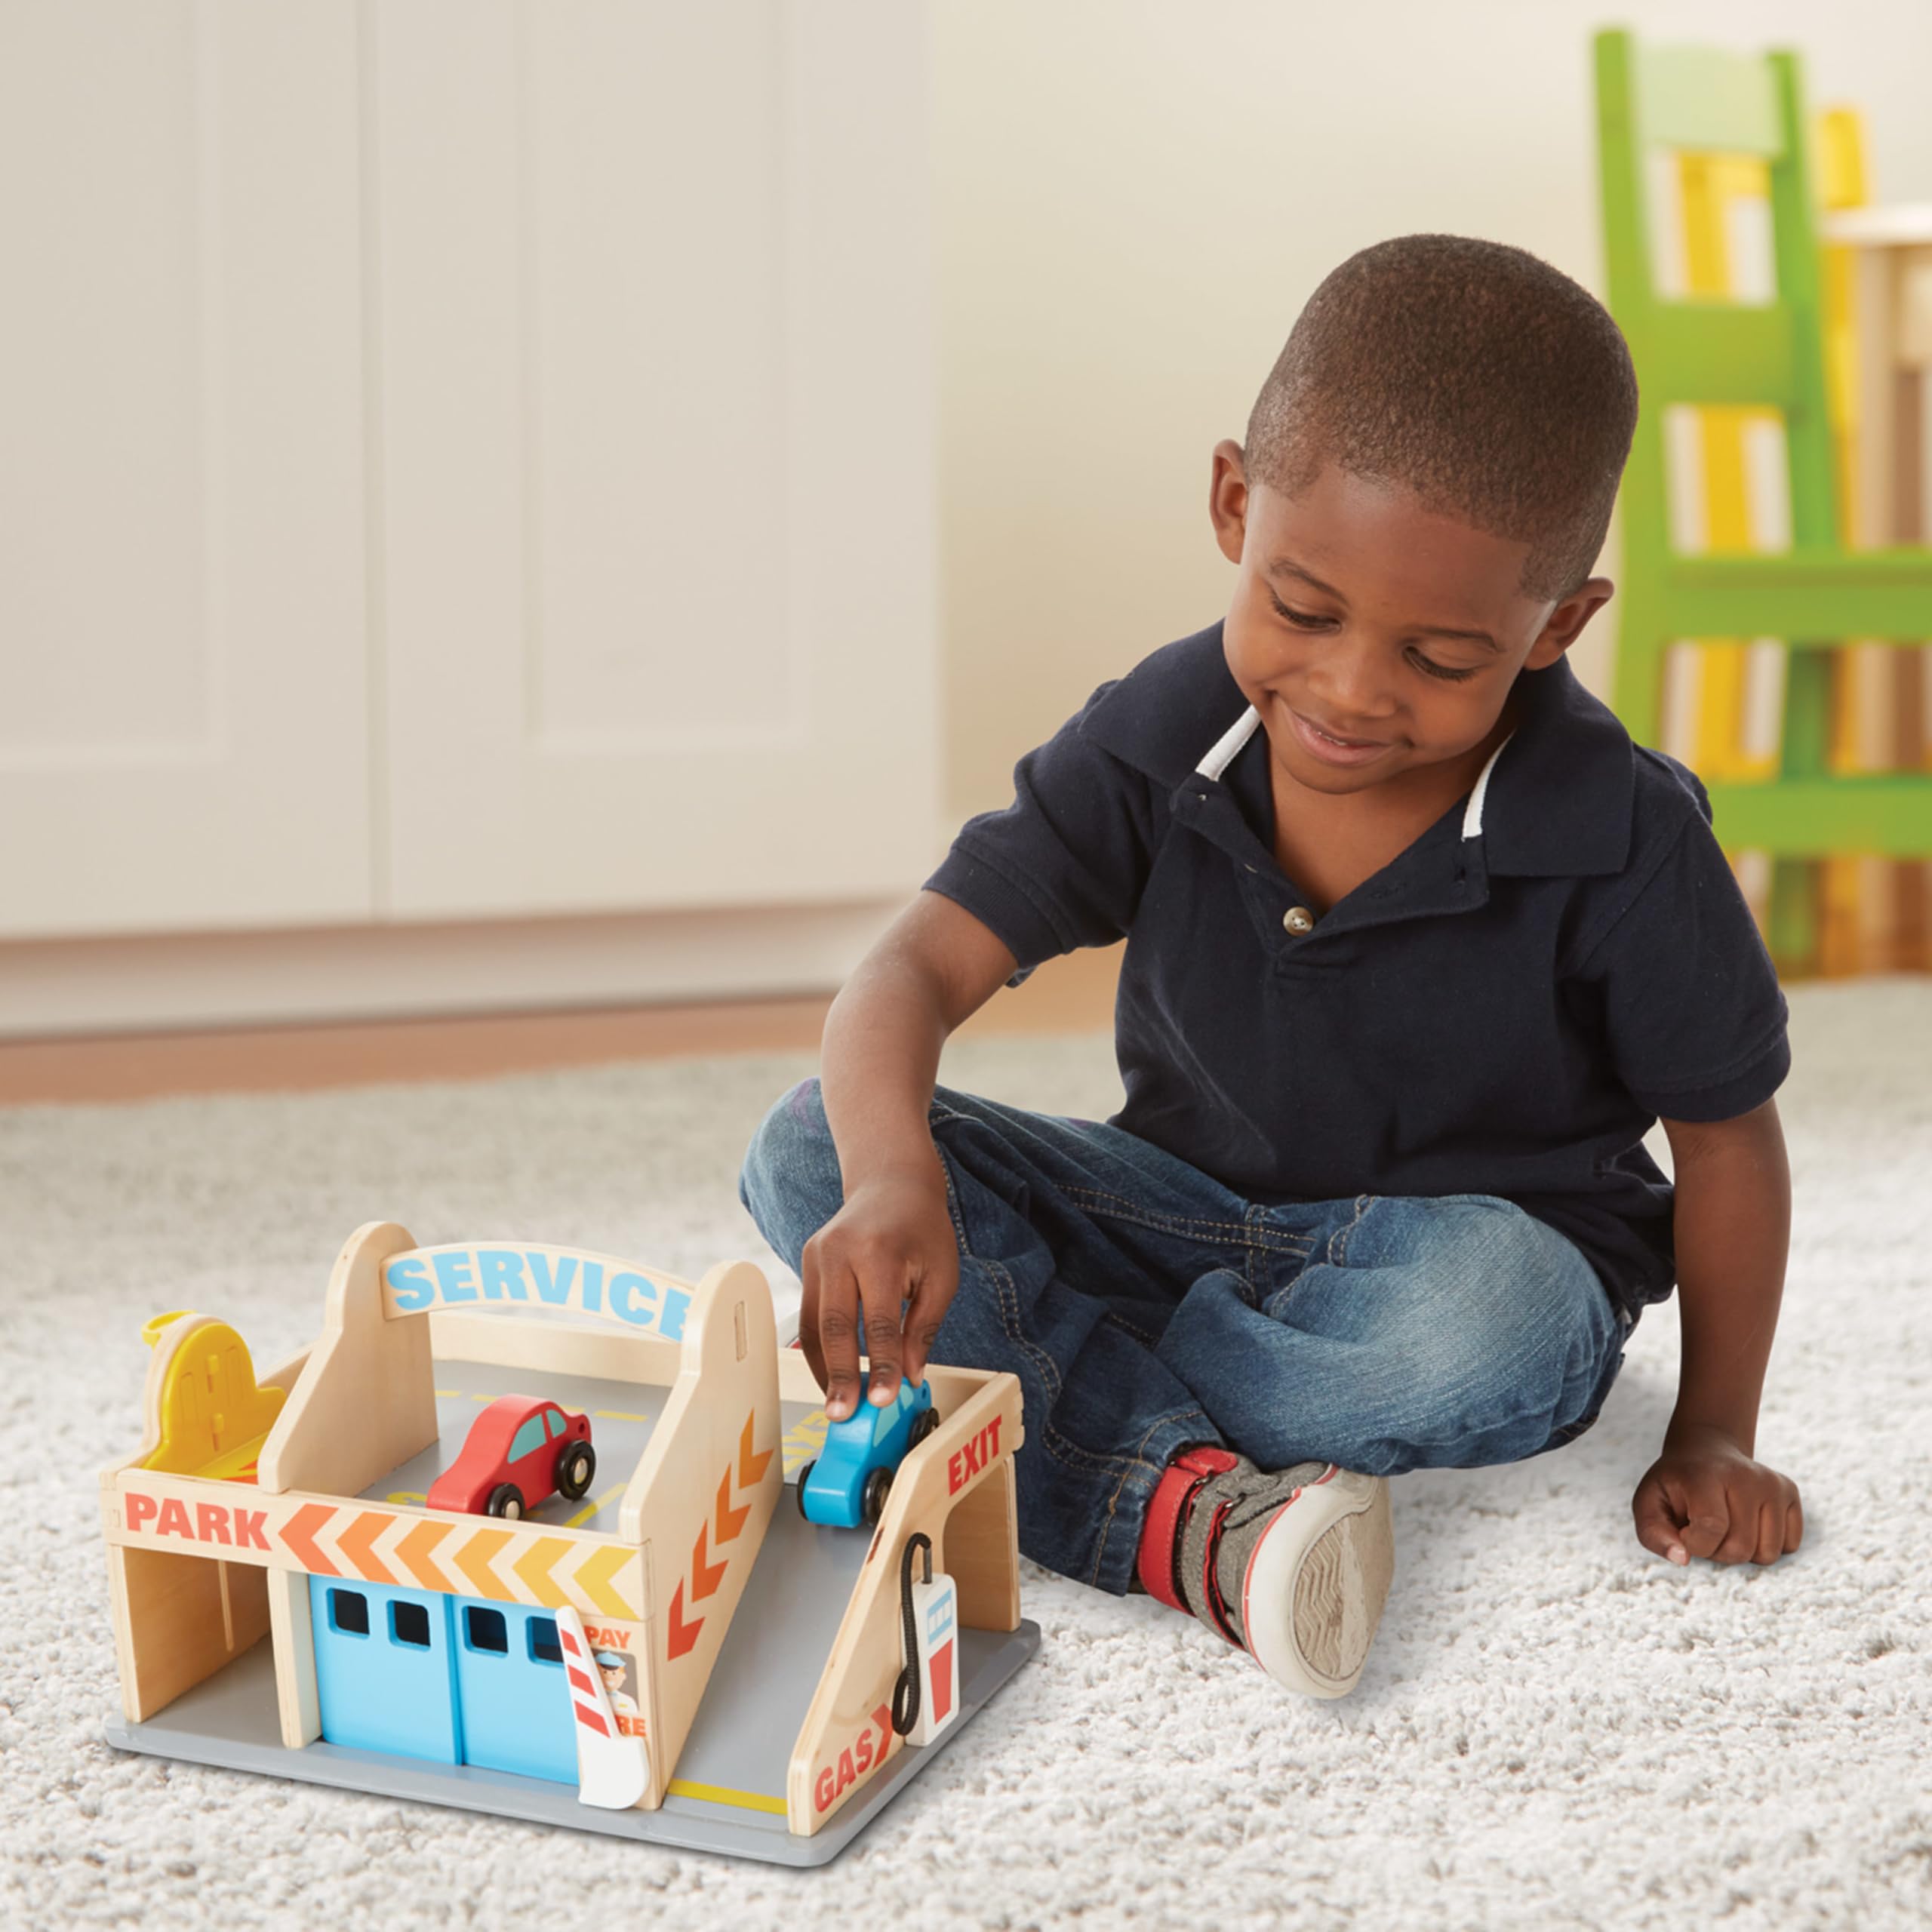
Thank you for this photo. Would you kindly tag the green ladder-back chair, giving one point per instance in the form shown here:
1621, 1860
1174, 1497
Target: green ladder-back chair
1817, 594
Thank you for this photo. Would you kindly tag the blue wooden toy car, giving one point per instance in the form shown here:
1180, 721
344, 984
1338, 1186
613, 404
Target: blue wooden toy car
846, 1486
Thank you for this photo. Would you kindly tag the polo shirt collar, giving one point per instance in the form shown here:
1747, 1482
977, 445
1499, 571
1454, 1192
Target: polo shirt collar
1559, 798
1557, 802
1167, 713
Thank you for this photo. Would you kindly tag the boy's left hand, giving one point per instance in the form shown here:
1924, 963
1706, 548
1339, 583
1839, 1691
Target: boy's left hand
1705, 1497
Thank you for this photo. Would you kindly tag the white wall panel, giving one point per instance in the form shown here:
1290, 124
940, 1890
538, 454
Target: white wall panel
656, 466
182, 654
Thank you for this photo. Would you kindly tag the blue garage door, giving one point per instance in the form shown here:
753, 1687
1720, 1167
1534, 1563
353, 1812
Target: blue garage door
515, 1704
385, 1670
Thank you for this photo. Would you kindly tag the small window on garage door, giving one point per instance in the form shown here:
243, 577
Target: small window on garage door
349, 1612
409, 1623
485, 1630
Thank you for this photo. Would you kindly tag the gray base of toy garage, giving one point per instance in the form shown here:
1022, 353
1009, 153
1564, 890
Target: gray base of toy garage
230, 1721
740, 1741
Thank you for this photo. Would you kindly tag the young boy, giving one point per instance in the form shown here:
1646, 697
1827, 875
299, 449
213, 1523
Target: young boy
1419, 946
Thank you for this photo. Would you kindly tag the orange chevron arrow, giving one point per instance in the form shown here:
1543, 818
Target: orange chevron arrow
750, 1467
473, 1560
596, 1578
680, 1636
705, 1576
298, 1533
730, 1521
413, 1553
356, 1542
534, 1567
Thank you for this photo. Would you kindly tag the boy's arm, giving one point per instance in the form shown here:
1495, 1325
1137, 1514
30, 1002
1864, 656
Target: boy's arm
934, 967
1706, 1496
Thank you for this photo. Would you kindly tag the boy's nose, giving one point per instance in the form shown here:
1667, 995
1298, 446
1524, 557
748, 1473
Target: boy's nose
1351, 682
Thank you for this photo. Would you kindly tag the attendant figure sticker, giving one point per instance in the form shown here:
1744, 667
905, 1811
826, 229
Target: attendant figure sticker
620, 1675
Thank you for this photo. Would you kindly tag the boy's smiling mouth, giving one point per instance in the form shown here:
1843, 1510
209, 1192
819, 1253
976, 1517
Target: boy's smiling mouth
1330, 747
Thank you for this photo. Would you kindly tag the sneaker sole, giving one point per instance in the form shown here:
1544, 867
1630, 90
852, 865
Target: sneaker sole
1325, 1561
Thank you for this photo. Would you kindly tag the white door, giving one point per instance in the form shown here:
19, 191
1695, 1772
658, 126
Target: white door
183, 690
656, 497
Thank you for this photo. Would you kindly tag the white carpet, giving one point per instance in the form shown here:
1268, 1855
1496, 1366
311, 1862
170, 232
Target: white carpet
1555, 1728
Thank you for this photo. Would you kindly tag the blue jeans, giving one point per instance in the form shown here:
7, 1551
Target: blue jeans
1144, 1308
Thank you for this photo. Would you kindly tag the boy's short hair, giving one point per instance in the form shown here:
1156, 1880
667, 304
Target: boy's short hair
1475, 374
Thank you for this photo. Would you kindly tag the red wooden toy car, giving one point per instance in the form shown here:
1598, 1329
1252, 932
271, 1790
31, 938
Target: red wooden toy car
519, 1450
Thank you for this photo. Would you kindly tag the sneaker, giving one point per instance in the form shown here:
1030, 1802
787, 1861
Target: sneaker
1293, 1566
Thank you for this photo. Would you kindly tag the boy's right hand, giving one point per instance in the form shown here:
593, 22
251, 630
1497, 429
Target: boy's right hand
893, 1240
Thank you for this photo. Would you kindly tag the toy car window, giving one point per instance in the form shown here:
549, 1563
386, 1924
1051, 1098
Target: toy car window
887, 1417
544, 1647
529, 1437
553, 1421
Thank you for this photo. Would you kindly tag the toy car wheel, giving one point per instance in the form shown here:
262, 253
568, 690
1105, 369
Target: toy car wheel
505, 1500
802, 1475
923, 1427
872, 1503
575, 1468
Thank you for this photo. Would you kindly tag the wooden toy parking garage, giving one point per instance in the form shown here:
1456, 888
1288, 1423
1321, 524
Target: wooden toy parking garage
676, 1655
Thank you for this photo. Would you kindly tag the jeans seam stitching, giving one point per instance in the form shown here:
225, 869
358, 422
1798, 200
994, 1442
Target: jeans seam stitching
1243, 1233
1338, 1242
1058, 1446
1132, 1210
1049, 1370
952, 1206
1126, 1468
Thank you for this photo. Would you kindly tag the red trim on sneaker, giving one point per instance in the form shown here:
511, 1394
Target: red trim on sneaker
1160, 1537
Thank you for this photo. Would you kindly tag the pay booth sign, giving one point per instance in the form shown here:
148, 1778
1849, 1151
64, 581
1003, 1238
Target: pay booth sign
936, 1625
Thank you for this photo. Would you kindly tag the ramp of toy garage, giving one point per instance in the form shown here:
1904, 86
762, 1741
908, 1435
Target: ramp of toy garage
817, 1636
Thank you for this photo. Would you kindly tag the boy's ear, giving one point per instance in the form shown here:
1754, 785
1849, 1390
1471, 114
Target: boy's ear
1565, 623
1227, 498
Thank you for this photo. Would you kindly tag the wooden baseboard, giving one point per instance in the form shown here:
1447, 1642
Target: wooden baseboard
1073, 994
92, 986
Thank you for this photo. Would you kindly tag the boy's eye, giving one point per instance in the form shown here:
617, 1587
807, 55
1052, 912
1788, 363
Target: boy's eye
1304, 620
1436, 670
1301, 620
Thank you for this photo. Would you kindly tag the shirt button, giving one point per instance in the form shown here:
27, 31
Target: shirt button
1298, 920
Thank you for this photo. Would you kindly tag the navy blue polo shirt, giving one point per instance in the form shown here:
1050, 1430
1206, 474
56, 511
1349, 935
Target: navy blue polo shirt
1506, 1007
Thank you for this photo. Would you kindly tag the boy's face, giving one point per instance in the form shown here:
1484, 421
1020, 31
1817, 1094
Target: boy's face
1358, 624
